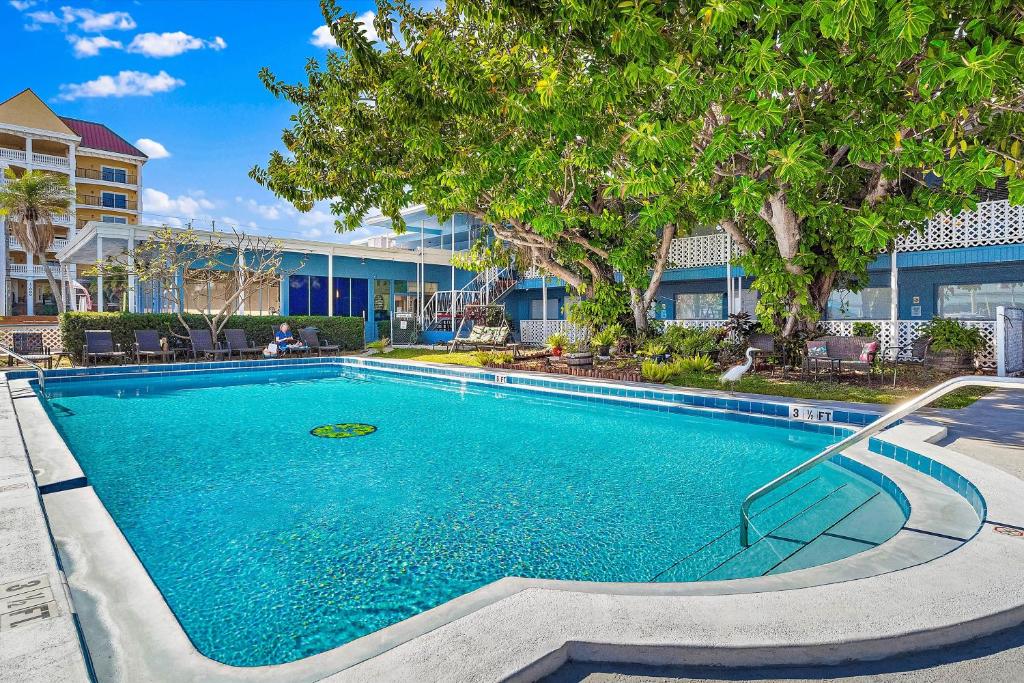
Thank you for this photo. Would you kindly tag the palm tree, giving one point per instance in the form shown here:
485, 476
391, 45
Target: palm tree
29, 203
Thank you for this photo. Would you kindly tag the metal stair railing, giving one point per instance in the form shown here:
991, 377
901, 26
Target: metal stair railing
38, 368
868, 431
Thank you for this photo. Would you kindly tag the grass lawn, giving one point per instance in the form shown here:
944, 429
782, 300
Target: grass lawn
880, 392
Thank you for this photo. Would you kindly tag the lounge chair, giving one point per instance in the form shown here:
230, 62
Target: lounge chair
147, 345
309, 337
30, 346
238, 343
290, 349
482, 337
202, 345
99, 344
470, 340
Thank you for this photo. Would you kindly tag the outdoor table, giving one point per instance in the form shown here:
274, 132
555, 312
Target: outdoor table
835, 365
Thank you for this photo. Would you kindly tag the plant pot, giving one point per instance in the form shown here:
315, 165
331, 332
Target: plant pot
951, 361
579, 359
604, 351
556, 352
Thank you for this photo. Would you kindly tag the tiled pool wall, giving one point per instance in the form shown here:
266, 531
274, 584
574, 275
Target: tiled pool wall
875, 477
934, 469
745, 410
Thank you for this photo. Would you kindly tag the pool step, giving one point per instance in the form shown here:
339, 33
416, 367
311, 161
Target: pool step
822, 517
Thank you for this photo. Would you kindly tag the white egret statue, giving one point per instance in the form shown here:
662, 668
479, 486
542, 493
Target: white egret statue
734, 373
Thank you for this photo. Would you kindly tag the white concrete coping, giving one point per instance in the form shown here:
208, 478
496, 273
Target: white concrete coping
906, 594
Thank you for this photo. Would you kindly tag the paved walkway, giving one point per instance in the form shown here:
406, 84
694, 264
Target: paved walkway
991, 430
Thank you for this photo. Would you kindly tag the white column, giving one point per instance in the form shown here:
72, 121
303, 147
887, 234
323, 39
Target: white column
453, 276
330, 282
28, 154
133, 295
543, 307
3, 267
1001, 341
30, 297
423, 279
99, 276
894, 303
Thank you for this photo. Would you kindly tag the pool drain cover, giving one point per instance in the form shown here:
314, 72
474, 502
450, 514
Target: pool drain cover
343, 430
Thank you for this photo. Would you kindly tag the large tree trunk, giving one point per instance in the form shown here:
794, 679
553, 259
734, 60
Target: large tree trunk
58, 292
640, 303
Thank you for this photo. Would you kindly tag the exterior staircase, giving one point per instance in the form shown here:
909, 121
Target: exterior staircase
446, 307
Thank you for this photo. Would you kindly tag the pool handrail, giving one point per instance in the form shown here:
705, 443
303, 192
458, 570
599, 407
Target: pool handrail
938, 391
26, 361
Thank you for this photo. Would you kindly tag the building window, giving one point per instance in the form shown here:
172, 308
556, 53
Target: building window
870, 303
114, 175
114, 219
115, 200
537, 309
701, 306
978, 301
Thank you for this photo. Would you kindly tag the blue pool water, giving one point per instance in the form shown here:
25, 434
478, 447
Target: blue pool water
272, 544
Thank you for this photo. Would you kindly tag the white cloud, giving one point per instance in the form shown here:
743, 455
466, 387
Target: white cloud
270, 212
190, 205
124, 84
22, 5
152, 148
316, 218
90, 47
171, 44
94, 22
38, 19
322, 35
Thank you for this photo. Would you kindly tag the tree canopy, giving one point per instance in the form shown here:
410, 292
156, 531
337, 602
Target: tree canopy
590, 133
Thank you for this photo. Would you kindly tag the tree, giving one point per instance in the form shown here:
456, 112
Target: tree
175, 262
29, 203
816, 133
555, 143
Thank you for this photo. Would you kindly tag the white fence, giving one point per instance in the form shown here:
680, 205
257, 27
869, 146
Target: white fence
908, 330
1009, 341
51, 334
537, 331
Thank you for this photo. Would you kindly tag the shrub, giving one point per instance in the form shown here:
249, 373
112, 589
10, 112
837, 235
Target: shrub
698, 363
383, 329
490, 358
379, 345
346, 332
952, 335
558, 340
865, 329
653, 349
607, 337
692, 341
653, 371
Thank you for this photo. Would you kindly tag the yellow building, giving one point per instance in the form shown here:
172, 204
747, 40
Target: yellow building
103, 168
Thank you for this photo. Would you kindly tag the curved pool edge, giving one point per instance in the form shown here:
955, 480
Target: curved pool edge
128, 612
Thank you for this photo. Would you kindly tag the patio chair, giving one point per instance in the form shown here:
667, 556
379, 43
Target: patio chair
202, 344
239, 343
470, 340
914, 353
290, 349
99, 344
308, 336
30, 346
147, 345
768, 354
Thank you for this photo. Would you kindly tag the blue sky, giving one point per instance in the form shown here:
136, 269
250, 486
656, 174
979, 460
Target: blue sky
182, 73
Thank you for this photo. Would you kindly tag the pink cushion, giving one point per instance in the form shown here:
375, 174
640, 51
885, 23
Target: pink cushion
868, 351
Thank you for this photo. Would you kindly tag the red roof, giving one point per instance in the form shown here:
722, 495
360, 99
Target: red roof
98, 136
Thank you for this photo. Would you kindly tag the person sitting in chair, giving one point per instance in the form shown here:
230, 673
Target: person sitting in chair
284, 339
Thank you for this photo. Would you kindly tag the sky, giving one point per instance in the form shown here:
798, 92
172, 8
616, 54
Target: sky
178, 78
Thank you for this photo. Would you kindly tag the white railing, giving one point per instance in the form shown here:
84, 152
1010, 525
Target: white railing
58, 244
51, 160
486, 288
25, 270
992, 223
704, 250
12, 154
907, 331
537, 331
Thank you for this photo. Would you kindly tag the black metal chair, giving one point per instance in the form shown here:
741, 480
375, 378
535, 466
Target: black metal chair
31, 347
913, 354
99, 345
203, 345
147, 345
238, 343
308, 336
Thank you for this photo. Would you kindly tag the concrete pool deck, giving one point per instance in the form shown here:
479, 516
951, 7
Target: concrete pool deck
517, 628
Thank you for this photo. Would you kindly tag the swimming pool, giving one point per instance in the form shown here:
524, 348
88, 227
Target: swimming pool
271, 543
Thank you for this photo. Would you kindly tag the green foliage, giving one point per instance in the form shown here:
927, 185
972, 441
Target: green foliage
652, 371
691, 341
865, 329
607, 337
558, 340
344, 331
698, 363
494, 358
383, 329
379, 345
653, 348
947, 334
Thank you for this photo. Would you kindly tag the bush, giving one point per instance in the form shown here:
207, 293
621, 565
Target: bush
346, 332
865, 329
692, 341
652, 371
698, 363
492, 358
383, 329
952, 335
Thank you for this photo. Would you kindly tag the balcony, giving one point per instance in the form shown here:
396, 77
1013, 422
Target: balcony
58, 244
696, 252
108, 202
15, 155
62, 163
992, 223
107, 176
24, 270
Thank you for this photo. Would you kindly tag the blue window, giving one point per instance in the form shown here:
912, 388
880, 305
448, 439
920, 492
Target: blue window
360, 297
298, 295
114, 219
115, 200
318, 295
114, 175
342, 296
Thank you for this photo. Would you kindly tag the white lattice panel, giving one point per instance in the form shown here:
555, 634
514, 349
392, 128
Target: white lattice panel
705, 250
51, 334
537, 331
910, 330
1011, 339
993, 223
701, 324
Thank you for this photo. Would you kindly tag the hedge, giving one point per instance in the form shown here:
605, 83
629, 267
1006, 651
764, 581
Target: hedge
346, 332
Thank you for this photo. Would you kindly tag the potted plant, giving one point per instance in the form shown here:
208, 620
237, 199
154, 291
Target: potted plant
604, 339
952, 344
557, 343
655, 350
577, 354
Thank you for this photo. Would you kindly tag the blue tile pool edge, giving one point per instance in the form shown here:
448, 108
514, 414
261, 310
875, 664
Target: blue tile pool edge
936, 470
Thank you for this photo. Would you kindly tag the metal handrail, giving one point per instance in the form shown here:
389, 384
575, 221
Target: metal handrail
26, 361
870, 430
